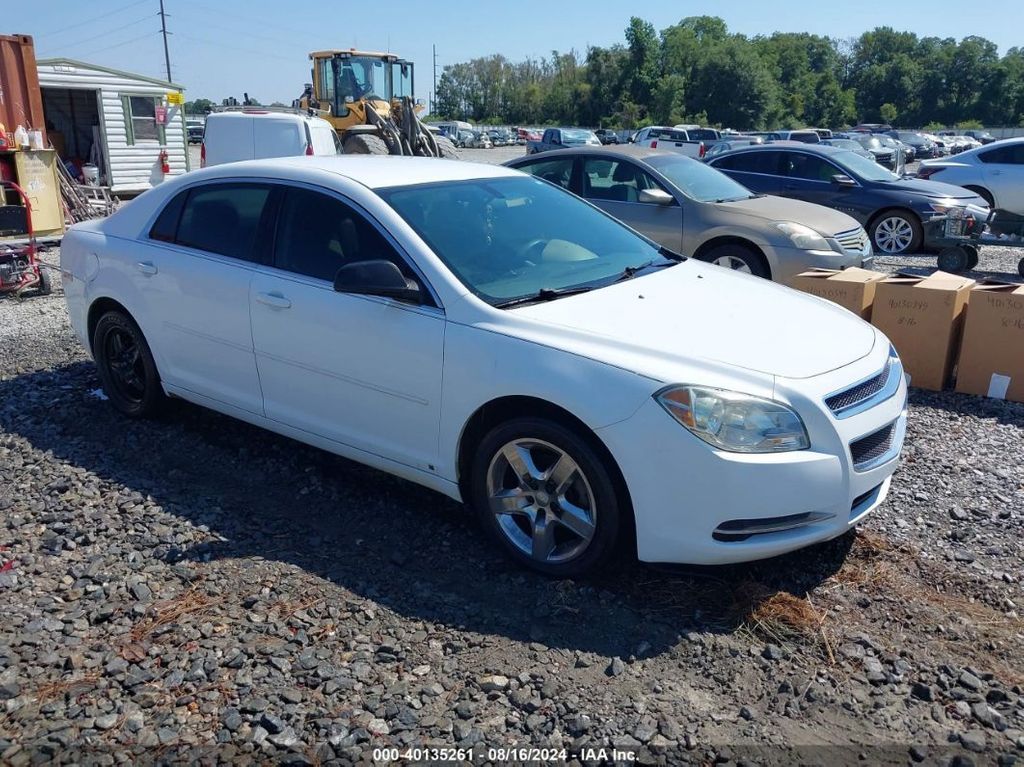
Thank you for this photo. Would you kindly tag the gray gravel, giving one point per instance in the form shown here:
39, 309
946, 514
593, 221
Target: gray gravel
195, 587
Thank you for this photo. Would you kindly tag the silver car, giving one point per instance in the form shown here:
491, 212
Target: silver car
694, 209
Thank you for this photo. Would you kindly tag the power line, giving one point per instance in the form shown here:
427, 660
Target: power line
221, 44
95, 18
105, 33
268, 23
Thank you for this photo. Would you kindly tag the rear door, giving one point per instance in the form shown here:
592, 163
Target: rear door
809, 178
278, 136
759, 171
1002, 168
194, 274
614, 184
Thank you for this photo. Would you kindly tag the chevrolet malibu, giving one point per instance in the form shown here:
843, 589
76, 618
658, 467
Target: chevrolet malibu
491, 337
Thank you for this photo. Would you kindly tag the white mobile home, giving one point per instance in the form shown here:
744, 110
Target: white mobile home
119, 122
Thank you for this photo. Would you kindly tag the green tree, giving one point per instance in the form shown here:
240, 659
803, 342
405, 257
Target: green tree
888, 112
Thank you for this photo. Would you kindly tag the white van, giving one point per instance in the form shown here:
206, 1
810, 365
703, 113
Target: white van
254, 133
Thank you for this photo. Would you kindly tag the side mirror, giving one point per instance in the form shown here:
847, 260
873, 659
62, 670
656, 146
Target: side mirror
376, 278
842, 180
656, 197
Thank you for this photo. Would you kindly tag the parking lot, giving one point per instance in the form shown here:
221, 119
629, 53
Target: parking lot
202, 586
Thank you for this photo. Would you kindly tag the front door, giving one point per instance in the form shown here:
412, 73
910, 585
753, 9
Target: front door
359, 370
614, 185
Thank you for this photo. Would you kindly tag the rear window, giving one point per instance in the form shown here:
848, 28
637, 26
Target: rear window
166, 226
669, 134
751, 162
223, 219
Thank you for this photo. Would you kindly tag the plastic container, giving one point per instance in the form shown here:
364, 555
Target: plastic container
91, 174
20, 138
35, 139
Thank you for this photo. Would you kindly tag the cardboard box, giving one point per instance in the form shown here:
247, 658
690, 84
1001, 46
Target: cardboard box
992, 353
923, 317
852, 288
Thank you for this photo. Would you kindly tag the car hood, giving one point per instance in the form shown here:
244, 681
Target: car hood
934, 189
691, 313
824, 220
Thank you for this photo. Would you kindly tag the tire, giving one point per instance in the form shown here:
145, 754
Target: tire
575, 543
896, 233
738, 257
984, 194
126, 366
954, 260
1020, 267
45, 286
973, 257
447, 148
364, 143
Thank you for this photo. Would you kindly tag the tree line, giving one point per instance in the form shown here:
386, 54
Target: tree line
696, 71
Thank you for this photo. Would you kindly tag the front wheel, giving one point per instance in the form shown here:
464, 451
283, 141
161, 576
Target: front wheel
446, 148
364, 143
896, 233
547, 497
737, 257
126, 366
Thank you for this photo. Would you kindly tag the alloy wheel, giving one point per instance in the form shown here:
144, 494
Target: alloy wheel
541, 500
893, 234
734, 263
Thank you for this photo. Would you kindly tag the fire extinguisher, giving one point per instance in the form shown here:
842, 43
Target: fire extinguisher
165, 165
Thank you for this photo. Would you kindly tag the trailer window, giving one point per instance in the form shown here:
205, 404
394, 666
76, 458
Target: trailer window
140, 119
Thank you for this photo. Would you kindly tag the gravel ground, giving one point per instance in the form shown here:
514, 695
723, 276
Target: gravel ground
195, 588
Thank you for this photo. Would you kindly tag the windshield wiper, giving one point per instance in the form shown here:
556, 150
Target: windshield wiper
544, 294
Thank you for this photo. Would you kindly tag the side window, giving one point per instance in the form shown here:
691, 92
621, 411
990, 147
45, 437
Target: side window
1004, 155
757, 162
556, 171
615, 180
318, 234
809, 167
223, 219
165, 228
140, 119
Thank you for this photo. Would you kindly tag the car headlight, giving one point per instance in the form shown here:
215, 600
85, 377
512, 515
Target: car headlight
946, 206
739, 423
802, 236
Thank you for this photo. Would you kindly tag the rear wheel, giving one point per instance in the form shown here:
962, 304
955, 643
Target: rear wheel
896, 232
45, 286
547, 496
738, 257
365, 143
126, 366
1020, 267
955, 259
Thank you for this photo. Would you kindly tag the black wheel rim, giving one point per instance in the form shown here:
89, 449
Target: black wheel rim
124, 362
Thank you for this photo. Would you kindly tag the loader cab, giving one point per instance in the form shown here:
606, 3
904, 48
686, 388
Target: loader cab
342, 78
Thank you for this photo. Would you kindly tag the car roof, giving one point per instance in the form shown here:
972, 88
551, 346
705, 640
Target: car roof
372, 171
822, 149
629, 150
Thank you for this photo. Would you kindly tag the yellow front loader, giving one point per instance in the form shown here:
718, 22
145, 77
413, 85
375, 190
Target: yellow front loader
368, 98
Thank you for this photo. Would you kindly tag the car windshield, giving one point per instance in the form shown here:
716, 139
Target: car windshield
844, 143
870, 142
697, 180
862, 167
511, 238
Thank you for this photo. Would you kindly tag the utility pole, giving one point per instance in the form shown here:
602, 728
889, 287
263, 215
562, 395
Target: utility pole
163, 28
433, 95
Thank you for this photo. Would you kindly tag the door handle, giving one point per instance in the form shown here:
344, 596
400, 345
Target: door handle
274, 300
146, 267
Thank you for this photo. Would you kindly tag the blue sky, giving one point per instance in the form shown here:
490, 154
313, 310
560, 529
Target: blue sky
224, 47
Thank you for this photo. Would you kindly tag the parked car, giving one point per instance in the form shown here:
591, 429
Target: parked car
500, 136
923, 148
980, 135
853, 145
607, 136
942, 149
479, 140
823, 133
808, 136
897, 212
885, 156
675, 140
559, 138
730, 142
256, 134
465, 138
691, 208
873, 128
994, 172
489, 336
892, 143
195, 133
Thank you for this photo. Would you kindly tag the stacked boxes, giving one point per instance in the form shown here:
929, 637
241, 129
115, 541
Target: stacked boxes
941, 325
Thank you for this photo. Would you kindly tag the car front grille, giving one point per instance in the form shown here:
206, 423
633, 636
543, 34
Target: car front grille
853, 241
865, 390
875, 445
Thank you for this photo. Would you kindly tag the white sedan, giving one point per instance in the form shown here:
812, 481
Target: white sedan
495, 338
993, 171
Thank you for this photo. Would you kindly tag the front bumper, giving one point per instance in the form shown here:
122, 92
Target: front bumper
786, 263
686, 494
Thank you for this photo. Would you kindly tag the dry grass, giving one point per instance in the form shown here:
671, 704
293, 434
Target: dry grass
58, 688
170, 611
